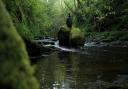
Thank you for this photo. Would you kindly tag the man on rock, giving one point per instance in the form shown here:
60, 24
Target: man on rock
69, 21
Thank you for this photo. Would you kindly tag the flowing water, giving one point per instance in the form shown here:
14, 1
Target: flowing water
88, 68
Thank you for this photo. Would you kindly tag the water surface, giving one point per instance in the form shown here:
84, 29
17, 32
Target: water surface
89, 68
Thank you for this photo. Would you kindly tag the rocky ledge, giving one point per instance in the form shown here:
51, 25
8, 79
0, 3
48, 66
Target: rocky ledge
105, 42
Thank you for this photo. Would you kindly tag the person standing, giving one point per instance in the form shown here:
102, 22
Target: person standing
69, 21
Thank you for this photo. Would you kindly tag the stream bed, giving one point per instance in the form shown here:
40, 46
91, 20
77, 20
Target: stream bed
91, 67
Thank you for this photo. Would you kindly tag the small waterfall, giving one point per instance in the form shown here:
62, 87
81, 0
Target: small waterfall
54, 43
64, 48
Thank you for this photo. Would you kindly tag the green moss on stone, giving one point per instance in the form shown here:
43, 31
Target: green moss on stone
76, 33
71, 37
76, 37
15, 69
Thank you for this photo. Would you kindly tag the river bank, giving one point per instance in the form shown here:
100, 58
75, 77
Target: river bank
45, 46
109, 39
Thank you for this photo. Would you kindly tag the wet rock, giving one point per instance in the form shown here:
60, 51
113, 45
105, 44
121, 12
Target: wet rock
54, 39
75, 42
64, 36
38, 37
36, 48
76, 37
118, 44
33, 49
115, 87
70, 37
45, 42
106, 40
48, 42
39, 43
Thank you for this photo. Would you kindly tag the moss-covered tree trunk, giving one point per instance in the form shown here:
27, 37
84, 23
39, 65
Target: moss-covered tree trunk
15, 69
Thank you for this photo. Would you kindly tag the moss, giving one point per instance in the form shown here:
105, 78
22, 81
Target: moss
15, 69
76, 37
76, 33
71, 37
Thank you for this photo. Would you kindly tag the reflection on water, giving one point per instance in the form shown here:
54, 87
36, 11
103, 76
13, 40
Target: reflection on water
92, 68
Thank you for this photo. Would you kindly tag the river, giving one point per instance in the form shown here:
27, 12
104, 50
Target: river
91, 67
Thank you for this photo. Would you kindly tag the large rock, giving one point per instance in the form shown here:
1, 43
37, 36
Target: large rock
64, 36
71, 37
15, 69
76, 37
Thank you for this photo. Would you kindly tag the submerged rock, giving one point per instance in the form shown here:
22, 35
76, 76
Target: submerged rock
71, 37
15, 69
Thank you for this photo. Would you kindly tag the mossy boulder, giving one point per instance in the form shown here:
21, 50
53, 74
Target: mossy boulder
15, 69
77, 37
64, 36
71, 37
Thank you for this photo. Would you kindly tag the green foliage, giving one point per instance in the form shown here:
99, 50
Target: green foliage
16, 72
34, 18
102, 15
20, 11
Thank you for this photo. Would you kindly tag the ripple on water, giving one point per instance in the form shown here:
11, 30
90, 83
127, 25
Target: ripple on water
90, 68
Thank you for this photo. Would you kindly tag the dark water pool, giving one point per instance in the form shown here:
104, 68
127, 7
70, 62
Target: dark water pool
90, 68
